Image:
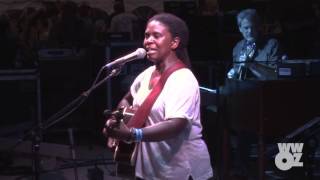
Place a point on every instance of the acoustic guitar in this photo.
(123, 150)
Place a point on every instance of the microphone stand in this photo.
(35, 133)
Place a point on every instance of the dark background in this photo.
(295, 23)
(64, 77)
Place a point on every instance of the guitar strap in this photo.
(143, 111)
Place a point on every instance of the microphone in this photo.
(140, 53)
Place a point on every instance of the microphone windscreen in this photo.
(141, 53)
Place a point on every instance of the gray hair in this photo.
(249, 14)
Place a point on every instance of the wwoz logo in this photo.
(287, 159)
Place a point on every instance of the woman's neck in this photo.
(165, 64)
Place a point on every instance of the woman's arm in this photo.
(157, 132)
(164, 130)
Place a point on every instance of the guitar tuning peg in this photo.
(121, 108)
(107, 113)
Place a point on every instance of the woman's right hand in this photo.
(116, 130)
(112, 142)
(106, 131)
(108, 126)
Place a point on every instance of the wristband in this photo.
(139, 135)
(136, 134)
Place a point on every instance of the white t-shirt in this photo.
(182, 156)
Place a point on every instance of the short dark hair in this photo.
(178, 28)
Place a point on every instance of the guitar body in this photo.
(123, 152)
(122, 157)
